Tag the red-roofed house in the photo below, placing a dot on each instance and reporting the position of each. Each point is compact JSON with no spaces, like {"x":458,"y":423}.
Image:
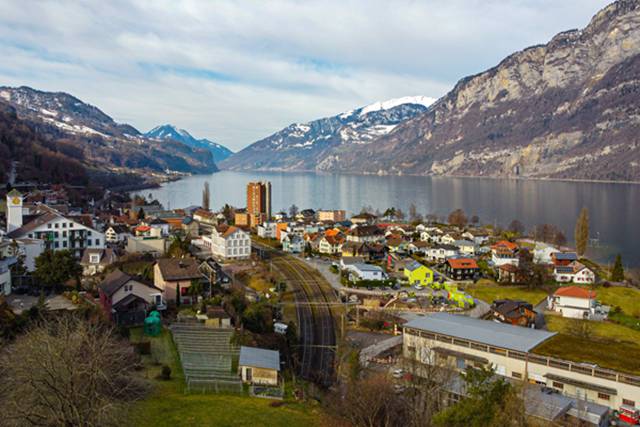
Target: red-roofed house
{"x":462,"y":269}
{"x":573,"y":301}
{"x":504,"y":252}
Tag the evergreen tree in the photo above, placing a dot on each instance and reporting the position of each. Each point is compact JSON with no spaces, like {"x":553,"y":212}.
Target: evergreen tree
{"x":206,"y":196}
{"x":617,"y":274}
{"x":582,"y":232}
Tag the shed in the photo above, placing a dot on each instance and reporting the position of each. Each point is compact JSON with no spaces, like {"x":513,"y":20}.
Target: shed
{"x":259,"y":366}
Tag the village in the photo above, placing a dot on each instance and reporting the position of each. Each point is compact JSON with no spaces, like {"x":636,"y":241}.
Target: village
{"x":293,"y":306}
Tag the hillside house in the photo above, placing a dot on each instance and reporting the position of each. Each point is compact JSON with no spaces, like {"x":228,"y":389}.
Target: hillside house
{"x":462,"y":269}
{"x":190,"y":227}
{"x":174,"y":277}
{"x":574,"y":272}
{"x":126,"y":300}
{"x":117,"y":233}
{"x":331,"y":245}
{"x":520,"y":313}
{"x":575,"y":302}
{"x":365,"y":233}
{"x":466,"y":247}
{"x":543,"y":253}
{"x":95,"y":261}
{"x":418,"y":274}
{"x":293,"y":244}
{"x":228,"y":243}
{"x":440,"y":253}
{"x":504,"y":252}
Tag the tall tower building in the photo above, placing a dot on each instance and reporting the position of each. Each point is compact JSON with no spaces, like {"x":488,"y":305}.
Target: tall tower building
{"x":14,"y":210}
{"x":259,"y":198}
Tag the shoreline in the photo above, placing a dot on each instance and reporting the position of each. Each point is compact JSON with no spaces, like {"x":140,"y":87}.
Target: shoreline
{"x":497,"y":178}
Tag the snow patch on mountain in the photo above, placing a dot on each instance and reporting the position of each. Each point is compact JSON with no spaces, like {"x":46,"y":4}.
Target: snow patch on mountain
{"x":391,"y":103}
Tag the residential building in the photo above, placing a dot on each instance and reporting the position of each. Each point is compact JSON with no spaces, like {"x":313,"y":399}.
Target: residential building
{"x":504,"y":252}
{"x":364,"y":218}
{"x":174,"y":277}
{"x":466,"y":247}
{"x":258,"y":366}
{"x":205,"y":217}
{"x":361,"y":271}
{"x":141,"y":244}
{"x":25,"y":250}
{"x":520,"y":313}
{"x":259,"y":198}
{"x":5,"y":275}
{"x":365,"y":233}
{"x":441,"y":253}
{"x":431,"y":234}
{"x":331,"y":245}
{"x":543,"y":253}
{"x":58,"y":231}
{"x":478,"y":237}
{"x":293,"y":244}
{"x":418,"y":247}
{"x":160,"y":227}
{"x":332,"y":215}
{"x":190,"y":227}
{"x":242,"y":219}
{"x":509,"y":273}
{"x":575,"y":302}
{"x":574,"y":272}
{"x":95,"y":261}
{"x":563,"y":259}
{"x":459,"y":342}
{"x":462,"y":269}
{"x":228,"y":243}
{"x":126,"y":300}
{"x":267,"y":230}
{"x":418,"y":274}
{"x":117,"y":233}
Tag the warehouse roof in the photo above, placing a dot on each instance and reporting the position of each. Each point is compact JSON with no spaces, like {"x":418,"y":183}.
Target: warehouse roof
{"x":482,"y":331}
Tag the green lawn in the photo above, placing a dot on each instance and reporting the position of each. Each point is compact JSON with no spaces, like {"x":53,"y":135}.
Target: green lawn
{"x":489,"y":292}
{"x":628,"y":299}
{"x":168,"y":405}
{"x":610,"y":345}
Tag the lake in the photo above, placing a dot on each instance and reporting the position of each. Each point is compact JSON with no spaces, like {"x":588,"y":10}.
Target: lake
{"x":613,"y":208}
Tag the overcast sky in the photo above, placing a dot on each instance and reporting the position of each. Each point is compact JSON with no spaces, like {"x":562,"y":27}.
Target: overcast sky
{"x":237,"y":71}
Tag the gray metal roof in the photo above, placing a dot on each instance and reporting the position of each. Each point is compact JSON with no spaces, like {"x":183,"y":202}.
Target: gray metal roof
{"x":366,"y":267}
{"x":259,"y":358}
{"x":483,"y":331}
{"x":413,"y":266}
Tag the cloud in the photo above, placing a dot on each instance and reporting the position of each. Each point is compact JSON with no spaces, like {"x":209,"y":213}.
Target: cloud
{"x":235,"y":71}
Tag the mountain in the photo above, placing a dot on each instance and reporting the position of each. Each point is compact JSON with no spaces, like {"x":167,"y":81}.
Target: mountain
{"x":569,"y":109}
{"x":71,"y":129}
{"x":313,"y":145}
{"x":219,"y":152}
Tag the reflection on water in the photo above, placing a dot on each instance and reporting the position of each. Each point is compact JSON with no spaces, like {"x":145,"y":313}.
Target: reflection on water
{"x":611,"y":206}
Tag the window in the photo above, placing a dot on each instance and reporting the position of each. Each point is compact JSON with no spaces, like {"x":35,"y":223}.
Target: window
{"x":603,"y":396}
{"x":57,"y":225}
{"x":460,"y":363}
{"x":64,"y":244}
{"x":88,"y":232}
{"x":558,"y":385}
{"x":64,"y":225}
{"x":57,"y":245}
{"x":30,"y":236}
{"x":64,"y":233}
{"x":97,"y":242}
{"x":628,"y":402}
{"x":517,"y":375}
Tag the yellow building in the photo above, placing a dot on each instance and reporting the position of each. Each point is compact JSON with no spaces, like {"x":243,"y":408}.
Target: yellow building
{"x":418,"y":274}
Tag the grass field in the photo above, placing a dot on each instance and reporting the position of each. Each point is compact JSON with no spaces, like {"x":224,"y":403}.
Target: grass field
{"x":628,"y":299}
{"x":610,"y":345}
{"x":489,"y":292}
{"x":168,"y":405}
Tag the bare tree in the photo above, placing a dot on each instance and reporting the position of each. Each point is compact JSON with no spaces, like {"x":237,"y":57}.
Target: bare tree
{"x":458,"y":218}
{"x":68,"y":372}
{"x":582,"y":232}
{"x":516,"y":227}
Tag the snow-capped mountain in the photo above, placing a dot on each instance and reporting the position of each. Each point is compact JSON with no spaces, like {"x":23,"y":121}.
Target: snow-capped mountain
{"x":168,"y":131}
{"x":310,"y":146}
{"x":75,"y":129}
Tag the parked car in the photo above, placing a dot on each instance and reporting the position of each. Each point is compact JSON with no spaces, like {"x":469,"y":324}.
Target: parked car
{"x":397,"y":373}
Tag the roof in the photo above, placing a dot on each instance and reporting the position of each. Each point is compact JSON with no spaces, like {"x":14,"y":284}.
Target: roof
{"x":114,"y":281}
{"x":366,"y":267}
{"x":107,"y":256}
{"x":565,"y":256}
{"x":119,"y":228}
{"x":412,"y":266}
{"x":462,"y":263}
{"x":173,"y":269}
{"x":33,"y":224}
{"x":505,"y":244}
{"x":510,"y":308}
{"x":229,"y":231}
{"x":259,"y":358}
{"x":482,"y":331}
{"x":575,"y":292}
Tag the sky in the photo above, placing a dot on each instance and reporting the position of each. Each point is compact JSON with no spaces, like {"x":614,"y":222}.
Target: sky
{"x":235,"y":71}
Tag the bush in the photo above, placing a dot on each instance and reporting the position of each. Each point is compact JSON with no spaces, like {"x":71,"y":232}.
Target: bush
{"x":165,"y":374}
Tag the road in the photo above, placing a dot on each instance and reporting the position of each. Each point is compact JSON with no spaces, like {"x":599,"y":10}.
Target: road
{"x":316,"y":318}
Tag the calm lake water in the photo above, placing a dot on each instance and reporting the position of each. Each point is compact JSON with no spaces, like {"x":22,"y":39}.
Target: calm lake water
{"x":613,"y":208}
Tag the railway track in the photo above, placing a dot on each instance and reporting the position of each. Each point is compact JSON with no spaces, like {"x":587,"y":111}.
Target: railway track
{"x":316,"y":321}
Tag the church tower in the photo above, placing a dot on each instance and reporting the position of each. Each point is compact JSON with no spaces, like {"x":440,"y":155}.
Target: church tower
{"x":14,"y":210}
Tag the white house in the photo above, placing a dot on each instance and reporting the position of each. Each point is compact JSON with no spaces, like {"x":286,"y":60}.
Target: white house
{"x":575,"y":272}
{"x":504,"y":252}
{"x":59,"y":232}
{"x":366,"y":271}
{"x":95,"y":261}
{"x":117,"y":233}
{"x":5,"y":276}
{"x":331,"y":244}
{"x":228,"y":243}
{"x":465,"y":247}
{"x":574,"y":302}
{"x":267,"y":230}
{"x":431,"y":234}
{"x":476,"y":236}
{"x":25,"y":249}
{"x":440,"y":253}
{"x":293,"y":244}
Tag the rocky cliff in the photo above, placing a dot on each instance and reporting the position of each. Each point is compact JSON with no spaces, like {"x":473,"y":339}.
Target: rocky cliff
{"x":568,"y":109}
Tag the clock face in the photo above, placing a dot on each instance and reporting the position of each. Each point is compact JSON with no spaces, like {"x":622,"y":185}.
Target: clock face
{"x":16,"y":201}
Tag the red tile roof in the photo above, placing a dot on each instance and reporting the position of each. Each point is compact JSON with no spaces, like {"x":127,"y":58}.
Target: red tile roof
{"x":462,"y":263}
{"x":505,"y":244}
{"x":575,"y":292}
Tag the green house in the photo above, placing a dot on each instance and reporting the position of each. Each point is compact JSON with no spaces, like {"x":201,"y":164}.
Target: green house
{"x":418,"y":274}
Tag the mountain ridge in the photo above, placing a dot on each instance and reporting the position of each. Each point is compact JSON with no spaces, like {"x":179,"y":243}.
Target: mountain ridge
{"x":169,"y":131}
